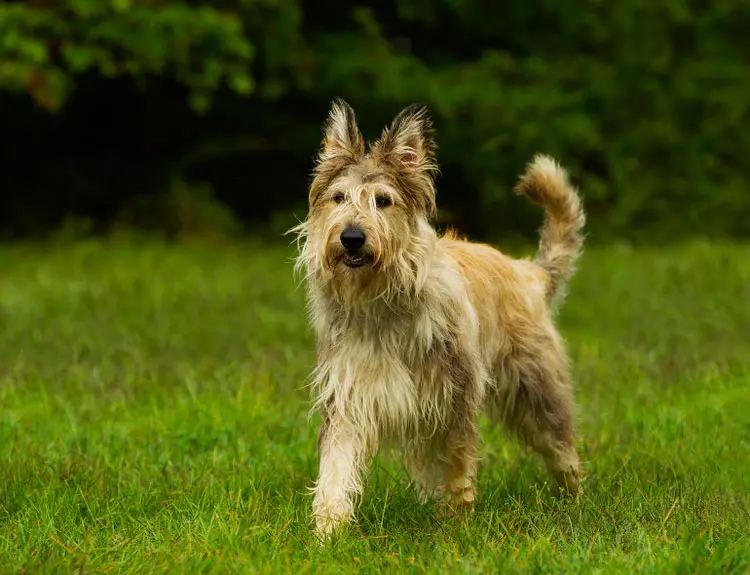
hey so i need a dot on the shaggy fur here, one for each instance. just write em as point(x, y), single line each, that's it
point(417, 333)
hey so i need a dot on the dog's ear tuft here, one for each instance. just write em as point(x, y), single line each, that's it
point(342, 146)
point(341, 136)
point(409, 142)
point(407, 150)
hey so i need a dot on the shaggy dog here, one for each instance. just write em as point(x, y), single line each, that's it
point(417, 332)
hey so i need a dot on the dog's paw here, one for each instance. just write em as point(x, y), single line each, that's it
point(329, 517)
point(459, 503)
point(569, 484)
point(329, 530)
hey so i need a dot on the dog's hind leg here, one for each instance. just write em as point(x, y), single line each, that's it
point(539, 406)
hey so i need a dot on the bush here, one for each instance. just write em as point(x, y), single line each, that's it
point(644, 102)
point(185, 211)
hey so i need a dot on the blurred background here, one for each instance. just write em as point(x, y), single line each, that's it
point(203, 118)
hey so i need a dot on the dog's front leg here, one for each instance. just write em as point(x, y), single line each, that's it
point(460, 465)
point(343, 451)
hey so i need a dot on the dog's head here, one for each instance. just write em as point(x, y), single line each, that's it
point(368, 227)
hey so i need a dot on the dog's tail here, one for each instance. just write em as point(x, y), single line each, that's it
point(546, 184)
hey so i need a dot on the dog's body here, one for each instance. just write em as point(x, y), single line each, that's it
point(418, 333)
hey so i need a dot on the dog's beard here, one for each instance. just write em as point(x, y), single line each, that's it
point(372, 278)
point(357, 277)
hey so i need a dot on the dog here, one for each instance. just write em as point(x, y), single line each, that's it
point(417, 332)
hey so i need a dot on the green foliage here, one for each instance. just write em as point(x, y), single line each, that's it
point(45, 45)
point(184, 211)
point(645, 102)
point(154, 419)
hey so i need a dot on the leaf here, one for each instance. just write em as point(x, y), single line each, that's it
point(10, 39)
point(80, 58)
point(200, 102)
point(121, 5)
point(48, 88)
point(241, 83)
point(33, 50)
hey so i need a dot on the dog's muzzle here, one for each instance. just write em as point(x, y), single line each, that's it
point(353, 238)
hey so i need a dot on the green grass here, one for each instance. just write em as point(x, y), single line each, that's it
point(153, 418)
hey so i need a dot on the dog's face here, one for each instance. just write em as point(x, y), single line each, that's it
point(369, 210)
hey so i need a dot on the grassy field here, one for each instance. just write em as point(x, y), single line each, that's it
point(153, 418)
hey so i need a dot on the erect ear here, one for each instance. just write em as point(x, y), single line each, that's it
point(409, 142)
point(342, 145)
point(341, 136)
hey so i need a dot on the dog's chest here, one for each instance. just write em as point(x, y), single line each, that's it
point(390, 376)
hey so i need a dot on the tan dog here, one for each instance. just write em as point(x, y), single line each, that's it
point(416, 333)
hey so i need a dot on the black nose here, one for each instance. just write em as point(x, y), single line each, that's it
point(352, 238)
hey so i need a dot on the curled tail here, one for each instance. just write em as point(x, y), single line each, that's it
point(546, 184)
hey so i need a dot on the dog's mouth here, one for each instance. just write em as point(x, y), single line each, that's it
point(355, 259)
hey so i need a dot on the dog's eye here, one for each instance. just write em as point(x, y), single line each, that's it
point(338, 197)
point(383, 201)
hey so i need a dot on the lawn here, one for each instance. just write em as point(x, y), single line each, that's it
point(154, 418)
